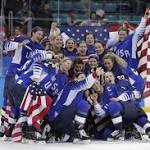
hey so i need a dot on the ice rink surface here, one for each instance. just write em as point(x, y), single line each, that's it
point(94, 145)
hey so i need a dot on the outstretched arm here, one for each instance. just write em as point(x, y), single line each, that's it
point(88, 82)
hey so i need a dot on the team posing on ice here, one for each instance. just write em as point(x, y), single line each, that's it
point(95, 93)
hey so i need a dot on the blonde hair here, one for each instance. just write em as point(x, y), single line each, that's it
point(52, 38)
point(65, 59)
point(55, 49)
point(116, 59)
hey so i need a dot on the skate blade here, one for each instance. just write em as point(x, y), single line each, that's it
point(112, 139)
point(29, 141)
point(78, 141)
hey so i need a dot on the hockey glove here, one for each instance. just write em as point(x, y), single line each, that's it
point(123, 97)
point(136, 95)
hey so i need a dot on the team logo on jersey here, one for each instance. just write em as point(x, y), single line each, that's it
point(123, 53)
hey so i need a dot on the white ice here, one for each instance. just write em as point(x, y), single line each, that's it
point(94, 145)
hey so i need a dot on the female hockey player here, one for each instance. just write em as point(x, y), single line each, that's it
point(120, 70)
point(24, 50)
point(68, 113)
point(126, 47)
point(119, 102)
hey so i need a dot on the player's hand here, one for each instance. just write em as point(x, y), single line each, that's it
point(94, 98)
point(54, 26)
point(99, 71)
point(136, 95)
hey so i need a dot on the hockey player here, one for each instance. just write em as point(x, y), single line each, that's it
point(68, 113)
point(119, 101)
point(90, 40)
point(70, 49)
point(95, 125)
point(48, 77)
point(23, 53)
point(120, 70)
point(127, 45)
point(38, 77)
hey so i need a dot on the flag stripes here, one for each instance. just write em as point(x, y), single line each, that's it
point(144, 61)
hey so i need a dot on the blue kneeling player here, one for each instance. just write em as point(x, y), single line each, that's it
point(119, 101)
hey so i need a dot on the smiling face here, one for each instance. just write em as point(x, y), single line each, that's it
point(93, 63)
point(108, 63)
point(90, 39)
point(82, 49)
point(122, 35)
point(66, 65)
point(38, 36)
point(99, 48)
point(58, 41)
point(79, 67)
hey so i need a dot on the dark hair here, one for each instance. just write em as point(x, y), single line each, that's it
point(123, 29)
point(35, 29)
point(82, 41)
point(102, 42)
point(44, 41)
point(78, 61)
point(89, 33)
point(94, 56)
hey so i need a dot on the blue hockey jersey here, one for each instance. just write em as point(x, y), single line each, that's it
point(22, 54)
point(52, 80)
point(127, 49)
point(71, 94)
point(124, 50)
point(115, 90)
point(131, 75)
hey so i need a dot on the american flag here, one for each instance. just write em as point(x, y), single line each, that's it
point(36, 107)
point(78, 32)
point(7, 118)
point(17, 131)
point(144, 63)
